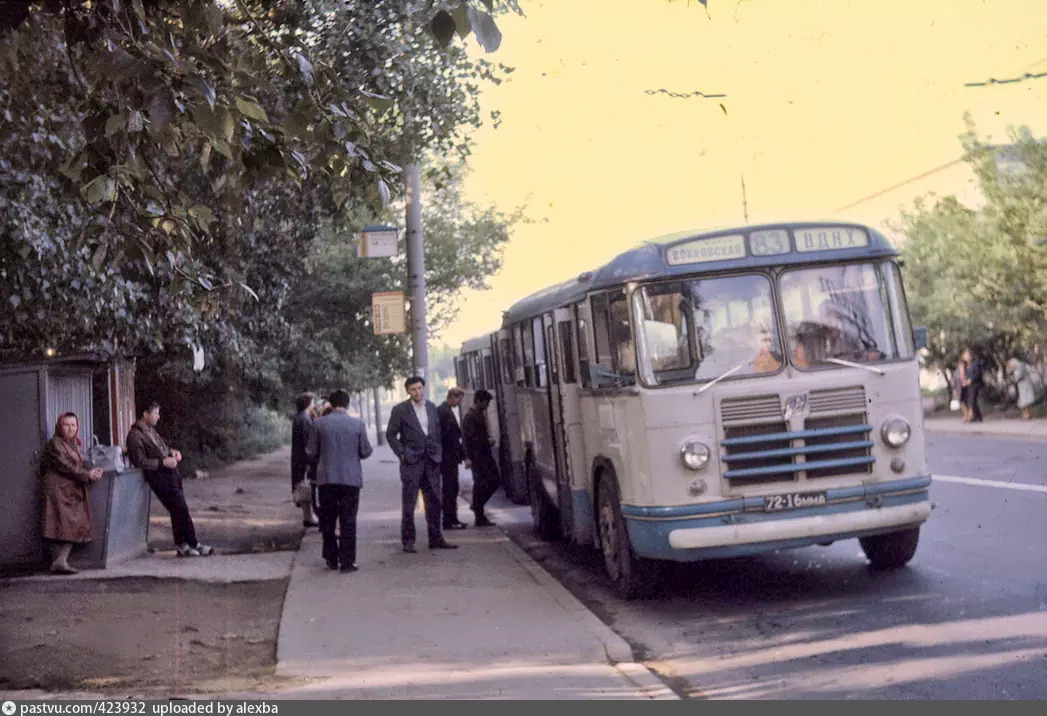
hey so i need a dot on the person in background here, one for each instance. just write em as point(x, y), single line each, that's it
point(303, 468)
point(414, 436)
point(159, 465)
point(959, 377)
point(67, 509)
point(973, 382)
point(338, 443)
point(453, 455)
point(478, 442)
point(1022, 376)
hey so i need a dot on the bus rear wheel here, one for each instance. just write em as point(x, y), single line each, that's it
point(631, 576)
point(892, 550)
point(545, 518)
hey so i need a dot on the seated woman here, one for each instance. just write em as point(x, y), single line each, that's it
point(67, 510)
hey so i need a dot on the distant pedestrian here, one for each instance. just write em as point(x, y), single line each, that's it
point(339, 443)
point(159, 466)
point(1021, 374)
point(478, 442)
point(303, 467)
point(67, 507)
point(453, 455)
point(973, 382)
point(414, 436)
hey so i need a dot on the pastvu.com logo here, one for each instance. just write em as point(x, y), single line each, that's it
point(8, 708)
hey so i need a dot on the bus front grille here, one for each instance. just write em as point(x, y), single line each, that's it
point(835, 439)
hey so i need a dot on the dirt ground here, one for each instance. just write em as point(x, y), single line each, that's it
point(144, 635)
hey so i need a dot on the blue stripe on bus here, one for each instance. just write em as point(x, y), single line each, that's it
point(808, 450)
point(800, 466)
point(773, 437)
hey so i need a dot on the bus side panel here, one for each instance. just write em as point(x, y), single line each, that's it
point(510, 445)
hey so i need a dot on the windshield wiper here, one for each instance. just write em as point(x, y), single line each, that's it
point(849, 364)
point(716, 380)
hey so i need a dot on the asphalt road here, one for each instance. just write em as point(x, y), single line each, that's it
point(967, 619)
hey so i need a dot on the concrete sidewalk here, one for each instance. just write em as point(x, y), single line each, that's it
point(480, 622)
point(1035, 429)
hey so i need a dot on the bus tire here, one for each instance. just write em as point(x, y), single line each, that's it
point(631, 577)
point(543, 515)
point(892, 550)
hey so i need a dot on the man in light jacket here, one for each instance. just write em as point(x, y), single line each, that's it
point(339, 442)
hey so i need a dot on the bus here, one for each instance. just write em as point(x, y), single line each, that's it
point(718, 394)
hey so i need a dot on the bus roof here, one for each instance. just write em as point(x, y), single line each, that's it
point(476, 343)
point(690, 252)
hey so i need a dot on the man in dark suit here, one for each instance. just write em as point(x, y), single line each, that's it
point(477, 442)
point(303, 467)
point(414, 435)
point(451, 436)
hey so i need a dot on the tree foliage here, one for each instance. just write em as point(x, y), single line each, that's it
point(978, 277)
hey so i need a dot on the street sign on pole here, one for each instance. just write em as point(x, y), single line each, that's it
point(388, 314)
point(377, 242)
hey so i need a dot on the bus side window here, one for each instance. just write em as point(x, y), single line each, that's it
point(518, 361)
point(528, 355)
point(622, 346)
point(583, 348)
point(507, 362)
point(567, 353)
point(603, 366)
point(489, 372)
point(541, 378)
point(459, 374)
point(550, 341)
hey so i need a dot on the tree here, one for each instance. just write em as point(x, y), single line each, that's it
point(979, 277)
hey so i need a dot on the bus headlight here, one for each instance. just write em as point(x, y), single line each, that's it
point(695, 455)
point(895, 432)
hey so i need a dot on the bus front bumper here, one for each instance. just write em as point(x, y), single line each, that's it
point(738, 527)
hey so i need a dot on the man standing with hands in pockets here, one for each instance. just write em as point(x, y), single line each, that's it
point(414, 435)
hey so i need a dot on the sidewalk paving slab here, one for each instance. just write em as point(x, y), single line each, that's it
point(1035, 429)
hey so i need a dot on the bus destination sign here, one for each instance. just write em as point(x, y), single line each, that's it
point(830, 238)
point(719, 248)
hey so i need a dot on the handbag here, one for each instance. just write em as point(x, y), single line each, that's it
point(303, 493)
point(108, 458)
point(954, 404)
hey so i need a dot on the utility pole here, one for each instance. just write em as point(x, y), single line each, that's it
point(745, 203)
point(378, 416)
point(416, 274)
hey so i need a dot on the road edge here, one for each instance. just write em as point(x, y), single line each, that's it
point(619, 653)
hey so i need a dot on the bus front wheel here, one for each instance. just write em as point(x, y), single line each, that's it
point(631, 576)
point(892, 550)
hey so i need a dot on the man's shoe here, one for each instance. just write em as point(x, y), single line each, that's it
point(204, 550)
point(484, 522)
point(349, 568)
point(184, 550)
point(443, 545)
point(409, 548)
point(310, 523)
point(331, 564)
point(455, 526)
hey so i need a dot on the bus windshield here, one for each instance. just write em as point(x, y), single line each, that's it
point(840, 312)
point(697, 330)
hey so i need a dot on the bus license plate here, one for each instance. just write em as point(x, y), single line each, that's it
point(794, 501)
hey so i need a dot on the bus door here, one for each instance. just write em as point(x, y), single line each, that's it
point(556, 413)
point(572, 437)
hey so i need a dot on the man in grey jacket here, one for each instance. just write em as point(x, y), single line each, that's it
point(340, 442)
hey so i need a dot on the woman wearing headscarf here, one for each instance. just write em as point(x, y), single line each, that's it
point(67, 510)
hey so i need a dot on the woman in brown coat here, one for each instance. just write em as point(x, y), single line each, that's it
point(67, 510)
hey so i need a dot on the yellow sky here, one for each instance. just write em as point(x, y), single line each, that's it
point(827, 102)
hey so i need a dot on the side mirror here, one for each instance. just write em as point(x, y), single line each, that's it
point(919, 334)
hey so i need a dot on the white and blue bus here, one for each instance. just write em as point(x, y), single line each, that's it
point(718, 394)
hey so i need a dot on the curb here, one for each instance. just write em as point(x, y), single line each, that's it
point(619, 653)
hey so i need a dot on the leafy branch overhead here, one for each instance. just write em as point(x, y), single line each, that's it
point(241, 86)
point(165, 165)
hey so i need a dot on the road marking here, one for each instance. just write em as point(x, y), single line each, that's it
point(990, 483)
